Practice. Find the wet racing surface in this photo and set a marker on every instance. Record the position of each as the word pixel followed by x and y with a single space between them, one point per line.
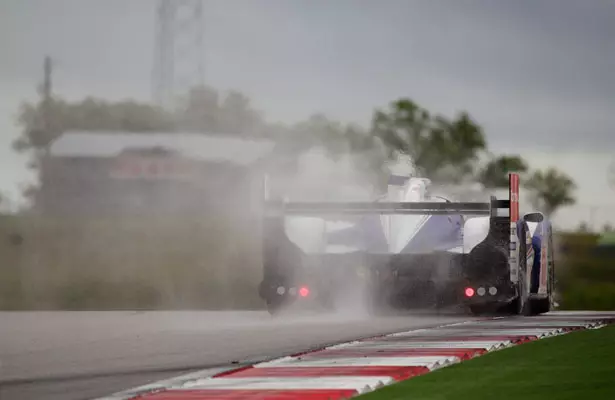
pixel 81 355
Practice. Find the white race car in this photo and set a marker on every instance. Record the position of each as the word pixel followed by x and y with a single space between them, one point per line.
pixel 409 249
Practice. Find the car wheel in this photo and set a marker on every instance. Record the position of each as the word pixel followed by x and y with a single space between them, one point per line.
pixel 541 306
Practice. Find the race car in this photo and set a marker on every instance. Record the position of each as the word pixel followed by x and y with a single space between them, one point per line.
pixel 408 249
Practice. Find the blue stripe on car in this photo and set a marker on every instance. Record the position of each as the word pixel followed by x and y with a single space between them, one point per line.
pixel 440 232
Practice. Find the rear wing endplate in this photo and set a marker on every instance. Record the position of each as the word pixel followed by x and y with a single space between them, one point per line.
pixel 495 207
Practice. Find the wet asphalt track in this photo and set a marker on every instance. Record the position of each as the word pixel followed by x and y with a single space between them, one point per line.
pixel 83 355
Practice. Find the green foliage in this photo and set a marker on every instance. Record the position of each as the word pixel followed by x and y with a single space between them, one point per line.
pixel 443 150
pixel 590 296
pixel 337 140
pixel 202 110
pixel 576 244
pixel 440 149
pixel 572 366
pixel 583 227
pixel 43 122
pixel 585 273
pixel 551 190
pixel 495 173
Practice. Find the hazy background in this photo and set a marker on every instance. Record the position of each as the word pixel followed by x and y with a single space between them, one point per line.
pixel 538 76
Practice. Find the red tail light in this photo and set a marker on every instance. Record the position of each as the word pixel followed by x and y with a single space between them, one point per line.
pixel 304 291
pixel 469 292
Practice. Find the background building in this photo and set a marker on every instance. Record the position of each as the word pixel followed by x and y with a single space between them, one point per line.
pixel 102 173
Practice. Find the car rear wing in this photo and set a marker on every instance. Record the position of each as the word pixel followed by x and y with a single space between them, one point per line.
pixel 495 207
pixel 281 208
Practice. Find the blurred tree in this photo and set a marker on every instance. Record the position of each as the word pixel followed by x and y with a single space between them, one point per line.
pixel 495 173
pixel 294 140
pixel 441 149
pixel 405 128
pixel 318 130
pixel 201 111
pixel 457 144
pixel 42 123
pixel 551 190
pixel 583 227
pixel 607 228
pixel 204 110
pixel 336 139
pixel 238 115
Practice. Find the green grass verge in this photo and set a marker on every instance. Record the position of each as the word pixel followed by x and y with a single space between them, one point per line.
pixel 578 365
pixel 585 272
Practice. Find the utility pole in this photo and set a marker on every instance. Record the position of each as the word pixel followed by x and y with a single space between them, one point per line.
pixel 48 70
pixel 178 59
pixel 43 128
pixel 611 175
pixel 46 92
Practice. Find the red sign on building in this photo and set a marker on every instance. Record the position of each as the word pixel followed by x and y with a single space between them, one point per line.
pixel 152 168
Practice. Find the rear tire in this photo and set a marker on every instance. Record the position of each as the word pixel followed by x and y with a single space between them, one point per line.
pixel 541 306
pixel 521 305
pixel 524 305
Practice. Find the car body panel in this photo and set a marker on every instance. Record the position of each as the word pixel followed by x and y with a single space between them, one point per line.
pixel 381 234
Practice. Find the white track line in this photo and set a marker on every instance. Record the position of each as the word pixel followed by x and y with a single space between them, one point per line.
pixel 420 361
pixel 359 383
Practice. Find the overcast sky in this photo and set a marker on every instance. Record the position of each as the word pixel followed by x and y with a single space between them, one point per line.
pixel 538 75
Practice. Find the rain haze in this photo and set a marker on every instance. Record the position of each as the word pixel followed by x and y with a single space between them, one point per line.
pixel 537 75
pixel 132 257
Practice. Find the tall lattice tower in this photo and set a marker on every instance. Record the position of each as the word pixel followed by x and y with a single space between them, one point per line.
pixel 178 62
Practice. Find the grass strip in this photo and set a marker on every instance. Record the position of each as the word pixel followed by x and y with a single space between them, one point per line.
pixel 579 365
